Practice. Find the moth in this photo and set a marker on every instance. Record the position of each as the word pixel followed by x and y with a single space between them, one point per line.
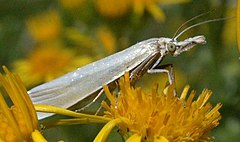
pixel 143 57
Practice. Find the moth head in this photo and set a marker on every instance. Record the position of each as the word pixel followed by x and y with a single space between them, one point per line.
pixel 175 48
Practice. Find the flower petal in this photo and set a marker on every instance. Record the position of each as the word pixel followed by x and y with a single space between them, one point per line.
pixel 73 121
pixel 62 111
pixel 8 115
pixel 37 137
pixel 104 133
pixel 161 139
pixel 134 138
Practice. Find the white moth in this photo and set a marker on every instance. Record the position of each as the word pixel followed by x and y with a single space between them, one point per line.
pixel 138 59
pixel 73 87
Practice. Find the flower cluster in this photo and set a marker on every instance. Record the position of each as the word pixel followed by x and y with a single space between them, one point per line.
pixel 18 122
pixel 139 116
pixel 157 116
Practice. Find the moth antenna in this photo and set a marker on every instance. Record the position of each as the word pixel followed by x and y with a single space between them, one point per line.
pixel 193 18
pixel 201 23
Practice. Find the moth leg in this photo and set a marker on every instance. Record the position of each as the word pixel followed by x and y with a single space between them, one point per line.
pixel 99 109
pixel 168 69
pixel 92 102
pixel 140 70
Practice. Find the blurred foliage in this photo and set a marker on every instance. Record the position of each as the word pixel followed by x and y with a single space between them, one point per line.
pixel 93 29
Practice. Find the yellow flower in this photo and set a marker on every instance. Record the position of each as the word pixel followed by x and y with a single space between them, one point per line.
pixel 152 6
pixel 45 26
pixel 107 39
pixel 18 123
pixel 112 8
pixel 48 62
pixel 159 116
pixel 72 4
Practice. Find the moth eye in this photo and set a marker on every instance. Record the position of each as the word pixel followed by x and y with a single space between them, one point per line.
pixel 171 47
